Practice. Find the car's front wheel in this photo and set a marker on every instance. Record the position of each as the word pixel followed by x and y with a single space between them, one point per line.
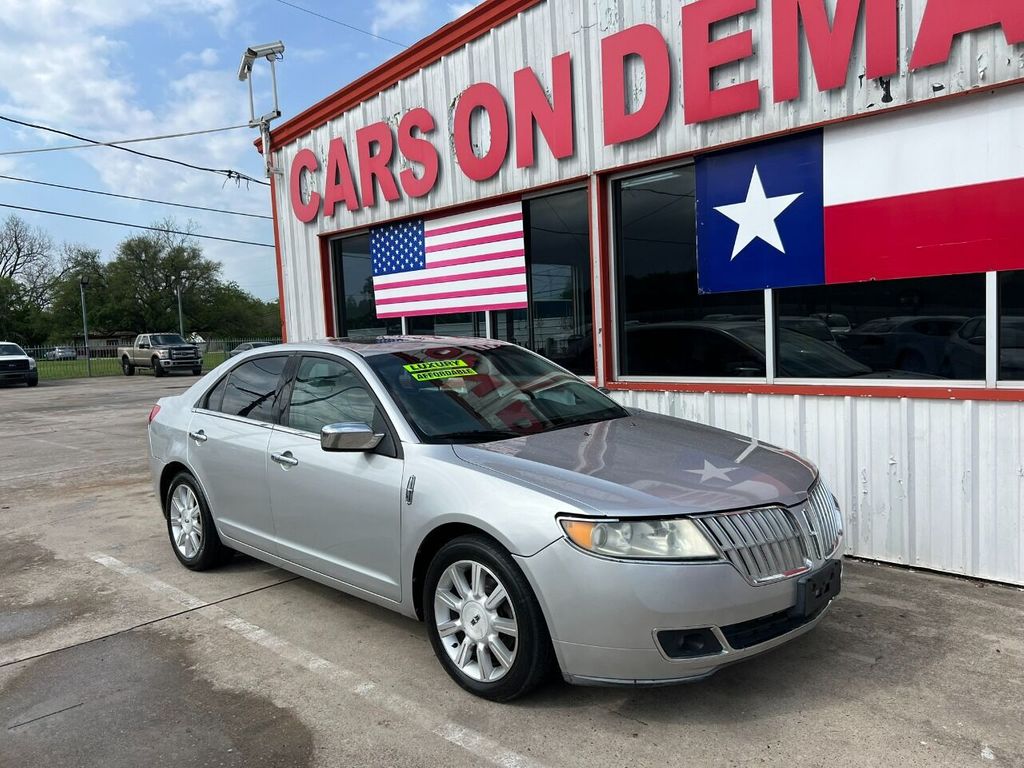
pixel 483 620
pixel 190 527
pixel 157 370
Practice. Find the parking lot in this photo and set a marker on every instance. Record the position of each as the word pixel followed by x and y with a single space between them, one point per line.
pixel 113 654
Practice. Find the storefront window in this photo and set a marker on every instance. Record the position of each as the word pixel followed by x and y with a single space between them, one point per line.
pixel 924 328
pixel 665 328
pixel 1011 327
pixel 558 323
pixel 460 324
pixel 353 290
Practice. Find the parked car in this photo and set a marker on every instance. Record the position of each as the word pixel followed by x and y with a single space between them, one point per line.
pixel 912 344
pixel 61 353
pixel 245 346
pixel 16 367
pixel 528 519
pixel 163 352
pixel 965 350
pixel 838 324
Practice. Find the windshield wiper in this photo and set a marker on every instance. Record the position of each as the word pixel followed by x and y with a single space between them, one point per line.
pixel 477 435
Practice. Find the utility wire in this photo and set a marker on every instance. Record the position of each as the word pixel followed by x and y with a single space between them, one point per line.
pixel 121 141
pixel 130 197
pixel 222 171
pixel 134 226
pixel 342 23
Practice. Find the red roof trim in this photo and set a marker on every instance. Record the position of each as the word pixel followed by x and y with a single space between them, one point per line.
pixel 448 38
pixel 824 390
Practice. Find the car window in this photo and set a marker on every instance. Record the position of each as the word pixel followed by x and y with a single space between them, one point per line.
pixel 10 349
pixel 327 392
pixel 253 388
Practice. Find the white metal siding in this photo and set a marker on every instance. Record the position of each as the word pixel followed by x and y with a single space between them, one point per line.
pixel 930 483
pixel 535 36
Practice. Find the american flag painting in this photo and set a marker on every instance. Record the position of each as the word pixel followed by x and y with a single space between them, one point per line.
pixel 463 263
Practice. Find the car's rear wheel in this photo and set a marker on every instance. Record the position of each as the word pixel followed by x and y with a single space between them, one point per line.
pixel 157 370
pixel 126 367
pixel 190 527
pixel 483 620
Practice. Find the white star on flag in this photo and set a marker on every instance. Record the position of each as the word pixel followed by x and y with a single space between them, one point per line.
pixel 711 472
pixel 756 216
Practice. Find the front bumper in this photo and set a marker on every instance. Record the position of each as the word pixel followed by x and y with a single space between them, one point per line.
pixel 15 377
pixel 604 615
pixel 190 363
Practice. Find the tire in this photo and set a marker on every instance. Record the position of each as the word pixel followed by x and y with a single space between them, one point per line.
pixel 33 381
pixel 126 367
pixel 190 527
pixel 197 371
pixel 469 658
pixel 157 370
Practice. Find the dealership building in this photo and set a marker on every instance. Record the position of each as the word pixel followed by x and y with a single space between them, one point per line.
pixel 800 220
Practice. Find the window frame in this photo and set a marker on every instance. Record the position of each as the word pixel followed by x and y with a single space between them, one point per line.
pixel 201 404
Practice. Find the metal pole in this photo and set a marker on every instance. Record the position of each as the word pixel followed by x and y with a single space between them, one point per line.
pixel 181 323
pixel 85 330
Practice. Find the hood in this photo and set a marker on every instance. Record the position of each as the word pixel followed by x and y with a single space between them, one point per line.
pixel 649 464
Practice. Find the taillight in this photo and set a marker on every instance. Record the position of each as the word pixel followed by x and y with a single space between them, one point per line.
pixel 152 413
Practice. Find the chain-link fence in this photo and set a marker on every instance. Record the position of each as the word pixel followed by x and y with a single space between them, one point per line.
pixel 69 361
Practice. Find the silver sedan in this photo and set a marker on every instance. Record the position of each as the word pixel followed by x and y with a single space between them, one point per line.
pixel 530 521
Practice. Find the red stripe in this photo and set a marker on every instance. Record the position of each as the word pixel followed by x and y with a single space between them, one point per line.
pixel 475 241
pixel 472 224
pixel 455 294
pixel 474 259
pixel 453 310
pixel 944 232
pixel 451 278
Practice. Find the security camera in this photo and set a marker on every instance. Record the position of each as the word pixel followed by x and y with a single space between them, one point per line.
pixel 270 50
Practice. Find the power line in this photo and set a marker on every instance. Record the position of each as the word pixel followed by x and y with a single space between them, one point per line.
pixel 342 23
pixel 62 147
pixel 130 197
pixel 133 226
pixel 229 173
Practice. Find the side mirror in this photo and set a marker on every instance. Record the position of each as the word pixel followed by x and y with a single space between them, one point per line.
pixel 143 346
pixel 349 436
pixel 977 341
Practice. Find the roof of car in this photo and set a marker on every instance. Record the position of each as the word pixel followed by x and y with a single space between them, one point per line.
pixel 368 346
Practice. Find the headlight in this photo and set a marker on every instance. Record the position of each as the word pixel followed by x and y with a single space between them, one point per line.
pixel 162 352
pixel 31 363
pixel 641 539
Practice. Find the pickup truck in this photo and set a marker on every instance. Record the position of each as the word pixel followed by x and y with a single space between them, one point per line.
pixel 163 352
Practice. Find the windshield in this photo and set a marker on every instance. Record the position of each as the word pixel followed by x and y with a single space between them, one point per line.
pixel 802 356
pixel 165 339
pixel 10 349
pixel 477 393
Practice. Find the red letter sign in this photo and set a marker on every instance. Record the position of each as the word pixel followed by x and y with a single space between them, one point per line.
pixel 488 98
pixel 418 150
pixel 831 47
pixel 646 42
pixel 945 19
pixel 304 160
pixel 701 55
pixel 339 186
pixel 554 119
pixel 374 165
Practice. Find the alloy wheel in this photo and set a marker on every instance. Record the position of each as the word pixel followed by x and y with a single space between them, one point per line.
pixel 476 621
pixel 186 521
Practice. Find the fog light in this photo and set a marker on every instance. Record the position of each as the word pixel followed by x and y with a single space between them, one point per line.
pixel 689 643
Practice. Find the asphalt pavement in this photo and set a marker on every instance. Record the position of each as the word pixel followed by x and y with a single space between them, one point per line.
pixel 112 654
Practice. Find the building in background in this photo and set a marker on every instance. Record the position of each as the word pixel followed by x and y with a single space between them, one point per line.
pixel 790 218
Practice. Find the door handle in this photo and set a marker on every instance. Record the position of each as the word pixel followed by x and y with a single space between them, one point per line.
pixel 284 459
pixel 199 437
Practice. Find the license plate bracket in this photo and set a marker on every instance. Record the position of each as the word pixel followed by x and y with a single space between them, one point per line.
pixel 814 590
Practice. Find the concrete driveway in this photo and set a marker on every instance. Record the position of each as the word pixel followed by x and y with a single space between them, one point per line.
pixel 112 654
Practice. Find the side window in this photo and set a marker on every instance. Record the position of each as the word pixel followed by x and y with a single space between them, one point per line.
pixel 252 389
pixel 328 392
pixel 215 396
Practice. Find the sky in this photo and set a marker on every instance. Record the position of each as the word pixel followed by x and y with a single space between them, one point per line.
pixel 123 69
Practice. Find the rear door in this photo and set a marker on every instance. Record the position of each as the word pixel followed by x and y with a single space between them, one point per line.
pixel 228 437
pixel 336 513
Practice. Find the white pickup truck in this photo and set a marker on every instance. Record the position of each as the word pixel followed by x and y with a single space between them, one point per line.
pixel 163 352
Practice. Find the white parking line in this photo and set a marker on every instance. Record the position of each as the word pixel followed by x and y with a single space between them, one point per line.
pixel 466 738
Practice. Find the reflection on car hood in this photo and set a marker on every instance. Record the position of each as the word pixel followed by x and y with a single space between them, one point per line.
pixel 649 464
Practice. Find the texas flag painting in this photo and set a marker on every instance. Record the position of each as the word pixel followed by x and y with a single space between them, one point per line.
pixel 930 191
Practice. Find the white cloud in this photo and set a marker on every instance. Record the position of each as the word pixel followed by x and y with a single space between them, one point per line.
pixel 404 15
pixel 207 57
pixel 460 9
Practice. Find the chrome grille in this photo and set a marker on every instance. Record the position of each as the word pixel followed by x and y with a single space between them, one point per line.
pixel 823 520
pixel 182 354
pixel 763 544
pixel 770 543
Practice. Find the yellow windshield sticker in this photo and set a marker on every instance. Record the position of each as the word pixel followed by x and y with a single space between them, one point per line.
pixel 433 365
pixel 444 373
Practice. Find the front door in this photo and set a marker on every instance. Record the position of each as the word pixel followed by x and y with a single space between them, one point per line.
pixel 336 513
pixel 228 439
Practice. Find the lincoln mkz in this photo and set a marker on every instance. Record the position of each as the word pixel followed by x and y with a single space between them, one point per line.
pixel 529 520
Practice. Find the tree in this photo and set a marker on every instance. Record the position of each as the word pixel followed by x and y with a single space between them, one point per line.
pixel 22 248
